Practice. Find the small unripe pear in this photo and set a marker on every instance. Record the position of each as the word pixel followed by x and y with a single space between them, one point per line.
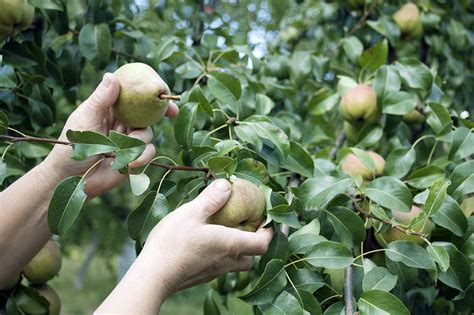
pixel 245 208
pixel 139 104
pixel 51 296
pixel 413 117
pixel 359 104
pixel 405 218
pixel 351 131
pixel 45 265
pixel 353 166
pixel 15 16
pixel 409 20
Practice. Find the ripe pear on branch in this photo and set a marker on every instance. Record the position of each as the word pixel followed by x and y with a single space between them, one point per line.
pixel 409 20
pixel 51 296
pixel 359 104
pixel 140 103
pixel 15 16
pixel 353 166
pixel 45 265
pixel 245 208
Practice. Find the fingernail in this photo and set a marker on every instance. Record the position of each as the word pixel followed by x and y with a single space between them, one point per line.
pixel 106 80
pixel 222 185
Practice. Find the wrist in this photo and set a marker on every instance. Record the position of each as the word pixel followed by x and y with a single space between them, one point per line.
pixel 50 172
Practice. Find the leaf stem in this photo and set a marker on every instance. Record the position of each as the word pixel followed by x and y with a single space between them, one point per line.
pixel 348 294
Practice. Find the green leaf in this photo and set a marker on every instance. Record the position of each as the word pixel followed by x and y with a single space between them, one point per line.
pixel 307 280
pixel 439 254
pixel 225 88
pixel 398 103
pixel 439 119
pixel 299 160
pixel 284 304
pixel 424 177
pixel 410 254
pixel 415 75
pixel 268 286
pixel 302 243
pixel 458 274
pixel 318 192
pixel 184 125
pixel 88 143
pixel 399 162
pixel 374 57
pixel 330 255
pixel 378 302
pixel 95 42
pixel 139 183
pixel 210 305
pixel 348 226
pixel 265 130
pixel 3 171
pixel 462 179
pixel 198 96
pixel 143 219
pixel 48 4
pixel 277 249
pixel 323 101
pixel 451 217
pixel 7 77
pixel 462 145
pixel 130 149
pixel 435 197
pixel 390 193
pixel 3 122
pixel 379 278
pixel 263 104
pixel 352 47
pixel 386 80
pixel 283 214
pixel 66 203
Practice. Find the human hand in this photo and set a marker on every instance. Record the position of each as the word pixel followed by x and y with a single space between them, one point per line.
pixel 184 250
pixel 95 114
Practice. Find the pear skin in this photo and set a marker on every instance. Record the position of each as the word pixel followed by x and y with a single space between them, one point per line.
pixel 15 16
pixel 51 296
pixel 245 208
pixel 139 104
pixel 45 265
pixel 359 104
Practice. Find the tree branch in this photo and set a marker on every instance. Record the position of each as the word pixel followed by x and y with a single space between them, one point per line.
pixel 107 155
pixel 348 295
pixel 339 141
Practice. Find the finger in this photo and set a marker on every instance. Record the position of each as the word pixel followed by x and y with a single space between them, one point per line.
pixel 211 199
pixel 145 158
pixel 248 243
pixel 146 134
pixel 173 110
pixel 98 104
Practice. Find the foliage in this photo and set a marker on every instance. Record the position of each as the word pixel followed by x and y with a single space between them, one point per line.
pixel 259 100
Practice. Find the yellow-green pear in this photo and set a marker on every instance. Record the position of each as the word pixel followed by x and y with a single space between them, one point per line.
pixel 139 104
pixel 51 296
pixel 245 208
pixel 405 219
pixel 413 117
pixel 353 166
pixel 15 16
pixel 45 265
pixel 409 20
pixel 359 104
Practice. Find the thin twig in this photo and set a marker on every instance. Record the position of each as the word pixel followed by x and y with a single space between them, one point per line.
pixel 339 141
pixel 348 294
pixel 355 28
pixel 106 155
pixel 170 97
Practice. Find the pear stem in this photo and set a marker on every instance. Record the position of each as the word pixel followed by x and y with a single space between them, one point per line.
pixel 170 97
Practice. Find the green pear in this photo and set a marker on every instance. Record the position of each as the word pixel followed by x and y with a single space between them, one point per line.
pixel 405 218
pixel 51 296
pixel 409 20
pixel 139 104
pixel 359 104
pixel 45 265
pixel 413 117
pixel 353 166
pixel 15 16
pixel 245 208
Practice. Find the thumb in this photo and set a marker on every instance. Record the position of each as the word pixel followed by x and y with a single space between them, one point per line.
pixel 104 96
pixel 211 199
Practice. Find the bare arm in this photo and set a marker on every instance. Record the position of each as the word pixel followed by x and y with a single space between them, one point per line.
pixel 24 205
pixel 182 251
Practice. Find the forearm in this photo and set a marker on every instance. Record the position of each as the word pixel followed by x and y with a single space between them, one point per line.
pixel 23 219
pixel 141 291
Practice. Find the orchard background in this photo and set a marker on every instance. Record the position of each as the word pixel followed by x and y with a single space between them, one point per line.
pixel 261 84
